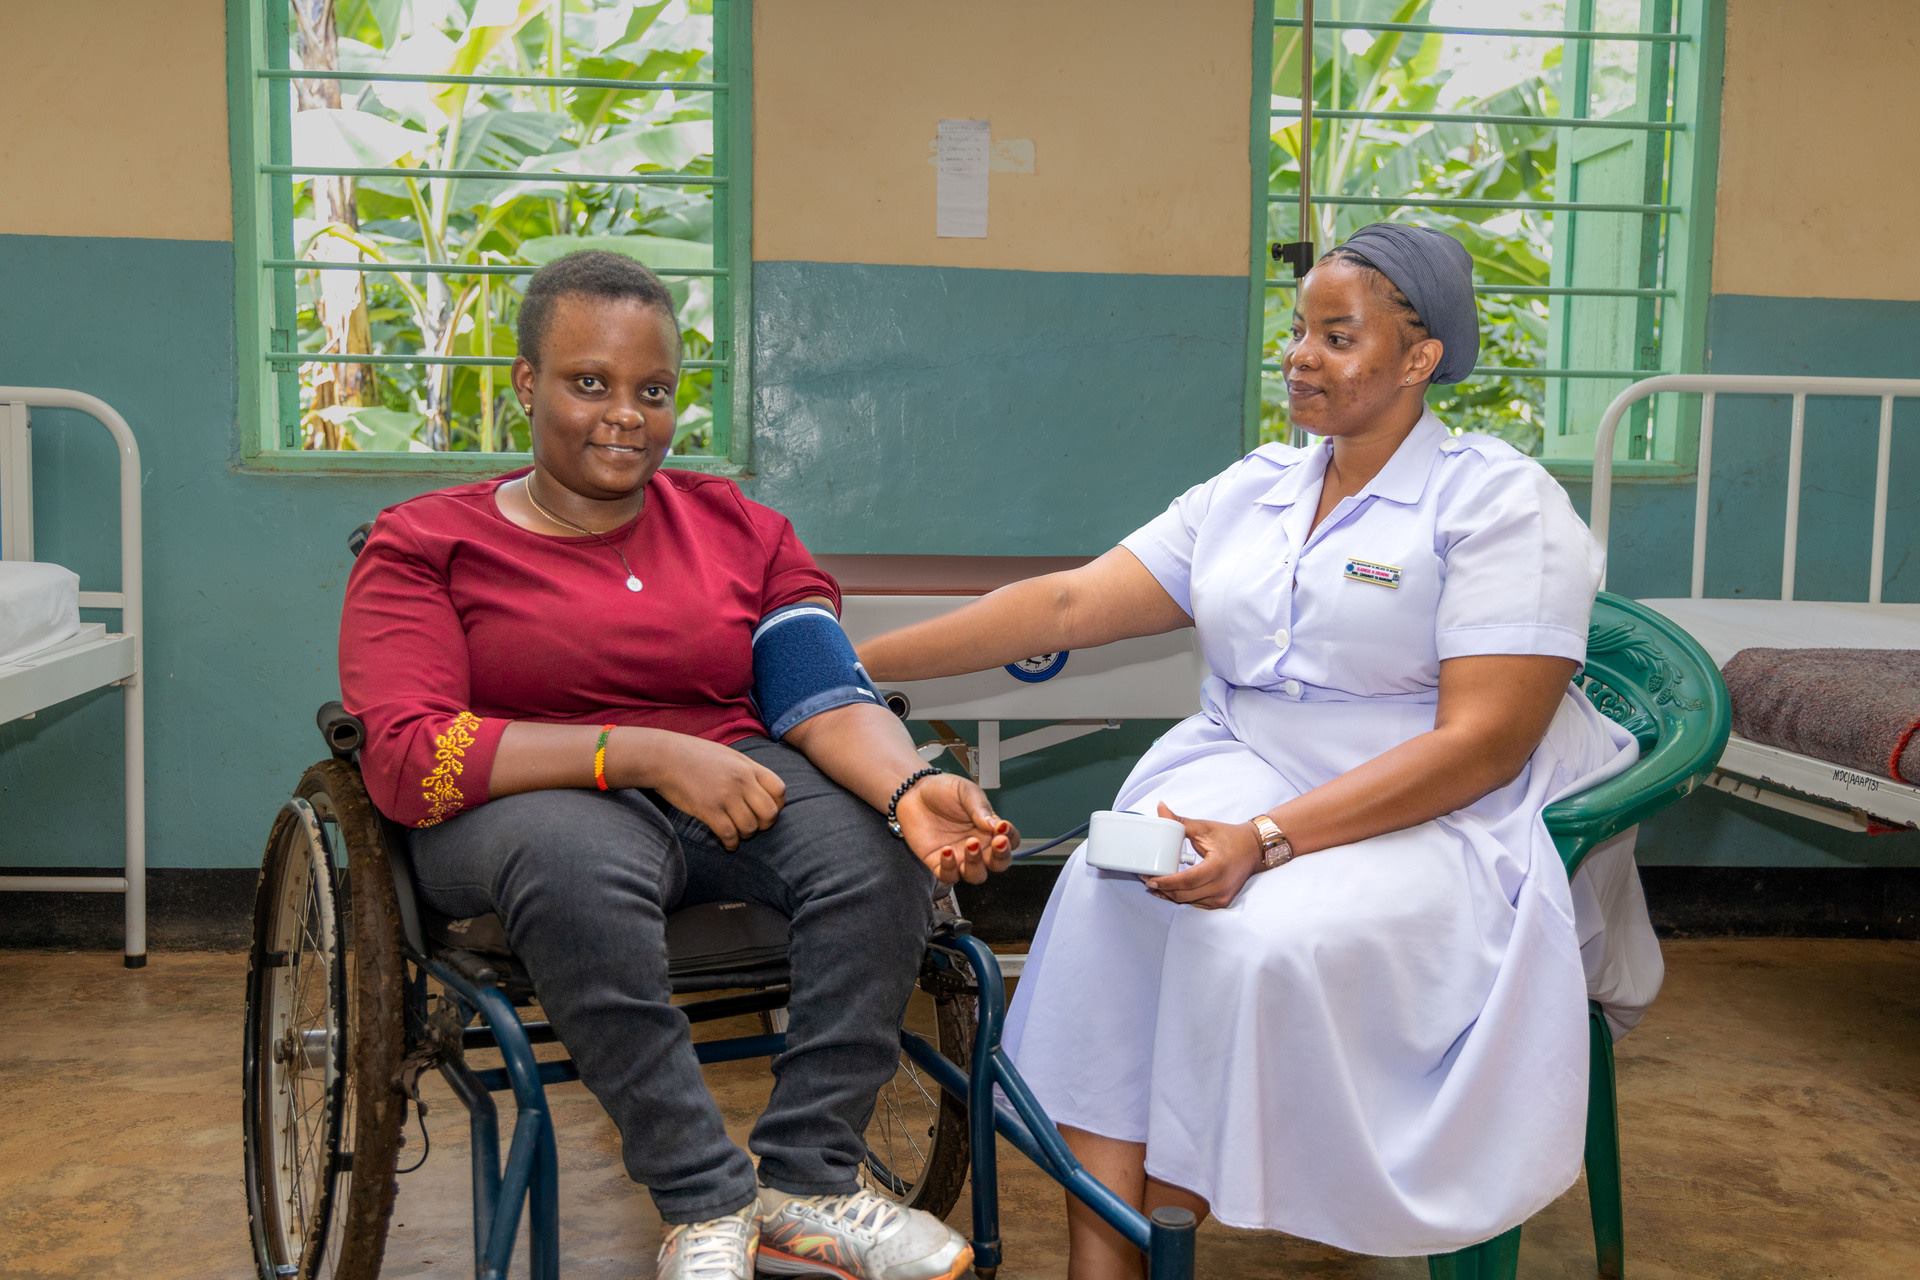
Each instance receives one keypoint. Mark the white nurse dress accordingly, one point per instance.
(1382, 1045)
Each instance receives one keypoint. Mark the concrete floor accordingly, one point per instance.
(1770, 1105)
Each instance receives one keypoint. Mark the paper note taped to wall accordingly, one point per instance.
(961, 151)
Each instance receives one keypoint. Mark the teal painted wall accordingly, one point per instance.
(897, 409)
(863, 369)
(929, 410)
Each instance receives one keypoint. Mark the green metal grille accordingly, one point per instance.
(281, 339)
(1668, 125)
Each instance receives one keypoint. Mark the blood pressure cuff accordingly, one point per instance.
(804, 664)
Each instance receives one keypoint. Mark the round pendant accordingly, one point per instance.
(633, 583)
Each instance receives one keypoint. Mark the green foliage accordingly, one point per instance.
(1401, 71)
(527, 134)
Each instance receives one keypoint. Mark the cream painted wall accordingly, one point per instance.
(1802, 195)
(1137, 111)
(115, 118)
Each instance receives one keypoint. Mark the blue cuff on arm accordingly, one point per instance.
(803, 664)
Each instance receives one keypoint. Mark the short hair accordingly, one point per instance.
(1409, 313)
(592, 273)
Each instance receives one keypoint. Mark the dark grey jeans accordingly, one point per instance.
(584, 882)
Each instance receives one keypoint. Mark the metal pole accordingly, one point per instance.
(1306, 122)
(1170, 1245)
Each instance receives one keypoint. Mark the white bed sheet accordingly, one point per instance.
(1724, 627)
(39, 607)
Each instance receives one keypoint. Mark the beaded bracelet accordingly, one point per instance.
(899, 793)
(600, 757)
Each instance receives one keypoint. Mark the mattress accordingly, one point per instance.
(39, 608)
(1724, 627)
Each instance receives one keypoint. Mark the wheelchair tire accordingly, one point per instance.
(927, 1173)
(930, 1171)
(325, 1036)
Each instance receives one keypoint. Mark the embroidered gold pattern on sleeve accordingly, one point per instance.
(438, 789)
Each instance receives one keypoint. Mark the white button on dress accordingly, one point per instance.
(1383, 1045)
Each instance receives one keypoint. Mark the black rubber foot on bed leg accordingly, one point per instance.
(136, 962)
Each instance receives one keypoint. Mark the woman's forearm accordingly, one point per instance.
(1017, 621)
(862, 747)
(1423, 778)
(1112, 598)
(547, 757)
(1493, 712)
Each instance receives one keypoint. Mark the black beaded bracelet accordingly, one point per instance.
(899, 794)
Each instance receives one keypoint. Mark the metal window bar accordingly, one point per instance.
(1531, 290)
(1709, 387)
(1464, 117)
(1520, 371)
(1521, 33)
(459, 268)
(530, 178)
(356, 357)
(1469, 202)
(1307, 111)
(511, 82)
(283, 363)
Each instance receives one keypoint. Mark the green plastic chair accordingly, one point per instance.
(1654, 679)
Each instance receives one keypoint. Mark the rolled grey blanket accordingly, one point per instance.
(1855, 707)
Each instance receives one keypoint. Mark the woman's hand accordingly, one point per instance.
(721, 787)
(951, 827)
(1229, 855)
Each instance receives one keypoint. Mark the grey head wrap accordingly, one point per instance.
(1436, 273)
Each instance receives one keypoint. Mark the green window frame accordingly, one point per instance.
(265, 176)
(1629, 269)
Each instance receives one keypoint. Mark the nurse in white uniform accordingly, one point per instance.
(1360, 1017)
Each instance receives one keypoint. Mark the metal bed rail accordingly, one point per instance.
(16, 543)
(1710, 386)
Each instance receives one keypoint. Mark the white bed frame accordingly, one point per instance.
(90, 660)
(1785, 780)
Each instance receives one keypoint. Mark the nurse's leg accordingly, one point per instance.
(1197, 769)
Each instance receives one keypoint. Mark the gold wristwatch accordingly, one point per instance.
(1275, 849)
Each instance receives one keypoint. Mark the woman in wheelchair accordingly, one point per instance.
(1360, 1015)
(557, 670)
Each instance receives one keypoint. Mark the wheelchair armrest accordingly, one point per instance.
(342, 730)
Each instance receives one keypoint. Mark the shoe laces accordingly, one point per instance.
(863, 1213)
(712, 1249)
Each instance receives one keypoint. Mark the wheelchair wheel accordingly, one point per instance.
(325, 1036)
(917, 1139)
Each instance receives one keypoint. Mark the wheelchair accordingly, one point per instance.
(355, 989)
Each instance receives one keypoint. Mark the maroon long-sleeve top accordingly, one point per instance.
(458, 622)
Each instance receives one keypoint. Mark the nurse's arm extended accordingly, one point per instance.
(1493, 712)
(1111, 598)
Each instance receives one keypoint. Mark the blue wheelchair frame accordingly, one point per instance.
(530, 1175)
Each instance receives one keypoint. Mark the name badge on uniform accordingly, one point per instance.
(1380, 575)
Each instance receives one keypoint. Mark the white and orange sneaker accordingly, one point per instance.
(716, 1249)
(861, 1236)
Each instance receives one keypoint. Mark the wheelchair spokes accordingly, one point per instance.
(917, 1137)
(296, 1082)
(322, 1120)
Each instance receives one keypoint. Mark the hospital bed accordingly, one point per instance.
(1075, 694)
(58, 657)
(1823, 790)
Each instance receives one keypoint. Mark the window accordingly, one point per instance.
(1568, 144)
(402, 165)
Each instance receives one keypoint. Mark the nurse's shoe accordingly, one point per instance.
(717, 1249)
(862, 1236)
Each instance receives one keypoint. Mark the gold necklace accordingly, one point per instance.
(526, 487)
